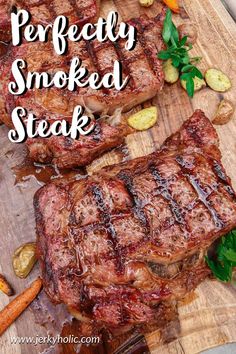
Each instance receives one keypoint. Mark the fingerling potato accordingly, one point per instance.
(224, 112)
(171, 73)
(24, 259)
(217, 80)
(189, 30)
(146, 3)
(144, 119)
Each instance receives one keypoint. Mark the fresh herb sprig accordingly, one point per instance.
(178, 51)
(222, 266)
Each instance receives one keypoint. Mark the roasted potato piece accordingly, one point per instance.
(189, 30)
(144, 119)
(24, 259)
(198, 84)
(146, 3)
(171, 73)
(224, 112)
(217, 80)
(5, 287)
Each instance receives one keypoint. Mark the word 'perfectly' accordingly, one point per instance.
(61, 32)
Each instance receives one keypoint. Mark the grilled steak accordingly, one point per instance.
(44, 12)
(66, 152)
(141, 64)
(119, 246)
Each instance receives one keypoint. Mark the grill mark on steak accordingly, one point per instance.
(162, 189)
(145, 45)
(220, 173)
(203, 197)
(202, 194)
(106, 220)
(127, 179)
(94, 59)
(126, 66)
(148, 44)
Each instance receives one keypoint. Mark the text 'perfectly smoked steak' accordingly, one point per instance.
(119, 247)
(45, 12)
(141, 65)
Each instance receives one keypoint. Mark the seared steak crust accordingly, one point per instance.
(141, 64)
(115, 245)
(65, 152)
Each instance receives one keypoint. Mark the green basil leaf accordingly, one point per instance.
(175, 55)
(191, 74)
(177, 51)
(183, 41)
(175, 62)
(197, 72)
(190, 87)
(174, 45)
(175, 33)
(230, 255)
(187, 68)
(223, 266)
(185, 60)
(224, 273)
(167, 27)
(164, 55)
(221, 244)
(233, 232)
(230, 239)
(182, 51)
(184, 76)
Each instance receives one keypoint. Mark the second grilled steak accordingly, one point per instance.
(141, 64)
(115, 245)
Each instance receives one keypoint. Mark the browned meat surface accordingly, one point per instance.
(5, 21)
(120, 245)
(141, 64)
(45, 11)
(66, 152)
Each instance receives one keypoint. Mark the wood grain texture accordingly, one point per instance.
(210, 319)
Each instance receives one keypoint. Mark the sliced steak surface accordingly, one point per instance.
(45, 12)
(141, 65)
(118, 244)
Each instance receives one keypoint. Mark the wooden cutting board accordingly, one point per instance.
(210, 318)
